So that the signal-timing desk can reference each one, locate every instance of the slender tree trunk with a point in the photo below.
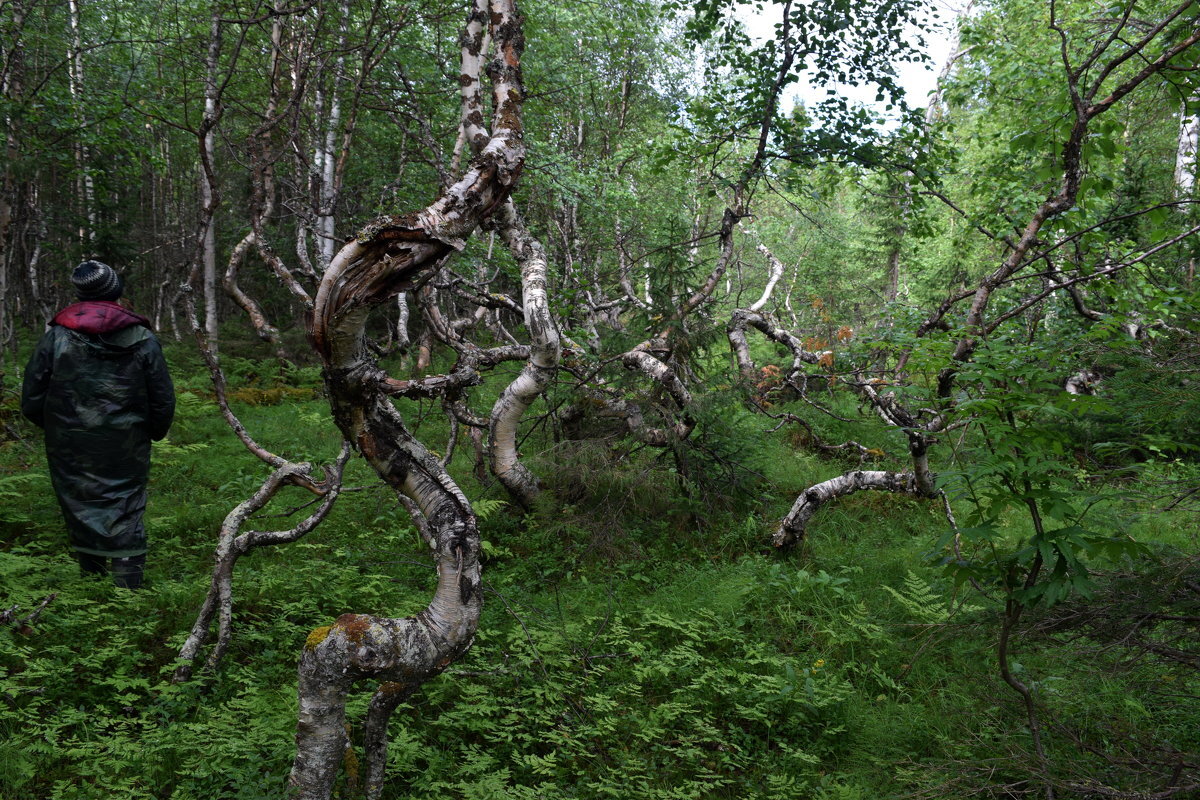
(12, 55)
(327, 153)
(773, 278)
(891, 290)
(544, 351)
(86, 189)
(208, 181)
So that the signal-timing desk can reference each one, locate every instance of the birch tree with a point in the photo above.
(390, 255)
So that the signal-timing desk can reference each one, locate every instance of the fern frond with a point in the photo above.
(920, 600)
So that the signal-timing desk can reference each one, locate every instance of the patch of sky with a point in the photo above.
(918, 79)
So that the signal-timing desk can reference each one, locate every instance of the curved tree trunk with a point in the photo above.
(392, 255)
(791, 529)
(773, 278)
(258, 318)
(544, 351)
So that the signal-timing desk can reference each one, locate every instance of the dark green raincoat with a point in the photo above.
(97, 383)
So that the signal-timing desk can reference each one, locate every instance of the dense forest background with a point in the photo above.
(765, 443)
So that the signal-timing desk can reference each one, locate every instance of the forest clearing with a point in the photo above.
(599, 400)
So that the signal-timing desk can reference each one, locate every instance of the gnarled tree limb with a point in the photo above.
(392, 255)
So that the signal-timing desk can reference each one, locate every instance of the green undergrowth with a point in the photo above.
(640, 639)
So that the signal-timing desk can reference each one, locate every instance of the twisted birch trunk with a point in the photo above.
(231, 546)
(545, 348)
(391, 255)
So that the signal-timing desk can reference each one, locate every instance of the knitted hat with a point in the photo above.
(95, 280)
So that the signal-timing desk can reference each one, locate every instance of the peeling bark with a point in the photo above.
(473, 42)
(391, 255)
(742, 319)
(545, 349)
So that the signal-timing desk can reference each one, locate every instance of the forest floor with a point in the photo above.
(640, 638)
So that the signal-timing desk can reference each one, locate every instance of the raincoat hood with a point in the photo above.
(98, 317)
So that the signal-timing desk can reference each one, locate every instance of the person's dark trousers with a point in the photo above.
(126, 572)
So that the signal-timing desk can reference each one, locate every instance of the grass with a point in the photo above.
(638, 639)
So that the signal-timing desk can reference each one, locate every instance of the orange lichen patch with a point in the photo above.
(317, 636)
(355, 626)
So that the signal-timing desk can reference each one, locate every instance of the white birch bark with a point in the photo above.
(388, 256)
(208, 182)
(473, 46)
(920, 481)
(403, 340)
(326, 161)
(791, 529)
(658, 371)
(741, 319)
(772, 279)
(86, 188)
(545, 349)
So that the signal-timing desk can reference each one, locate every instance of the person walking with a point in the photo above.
(98, 385)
